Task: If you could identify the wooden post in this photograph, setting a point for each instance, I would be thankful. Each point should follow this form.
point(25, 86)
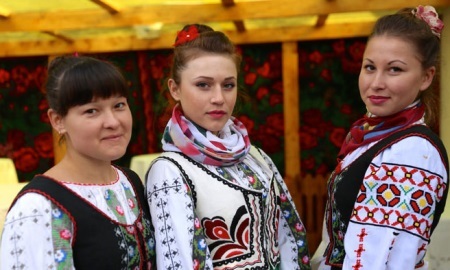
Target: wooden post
point(445, 91)
point(291, 112)
point(59, 149)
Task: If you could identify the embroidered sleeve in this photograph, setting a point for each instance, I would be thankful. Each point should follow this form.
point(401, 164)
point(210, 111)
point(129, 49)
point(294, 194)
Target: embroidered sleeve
point(291, 232)
point(391, 222)
point(36, 235)
point(180, 243)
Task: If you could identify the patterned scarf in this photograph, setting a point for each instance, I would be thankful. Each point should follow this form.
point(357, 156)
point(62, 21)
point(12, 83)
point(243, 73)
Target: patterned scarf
point(371, 128)
point(230, 146)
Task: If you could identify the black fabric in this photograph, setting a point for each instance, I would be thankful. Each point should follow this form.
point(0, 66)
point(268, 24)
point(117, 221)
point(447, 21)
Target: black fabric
point(96, 245)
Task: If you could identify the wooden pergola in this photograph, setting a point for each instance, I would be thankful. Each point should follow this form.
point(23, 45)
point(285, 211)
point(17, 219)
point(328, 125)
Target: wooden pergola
point(31, 28)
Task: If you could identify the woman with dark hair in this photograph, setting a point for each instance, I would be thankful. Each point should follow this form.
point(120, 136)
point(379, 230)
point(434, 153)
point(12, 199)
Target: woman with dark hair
point(389, 189)
point(217, 202)
point(84, 212)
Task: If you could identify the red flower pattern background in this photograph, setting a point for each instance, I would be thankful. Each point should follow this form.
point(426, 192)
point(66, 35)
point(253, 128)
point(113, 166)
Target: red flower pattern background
point(329, 103)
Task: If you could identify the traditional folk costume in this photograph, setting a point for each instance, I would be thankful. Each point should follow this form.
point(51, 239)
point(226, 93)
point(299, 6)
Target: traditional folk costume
point(386, 195)
point(216, 204)
point(60, 225)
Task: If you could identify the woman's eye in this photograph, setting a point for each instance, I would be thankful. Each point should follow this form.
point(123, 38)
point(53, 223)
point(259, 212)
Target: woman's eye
point(202, 85)
point(395, 69)
point(121, 105)
point(90, 111)
point(229, 86)
point(369, 67)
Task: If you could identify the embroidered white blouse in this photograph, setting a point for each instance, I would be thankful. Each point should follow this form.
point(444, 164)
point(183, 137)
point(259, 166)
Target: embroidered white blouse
point(388, 232)
point(29, 241)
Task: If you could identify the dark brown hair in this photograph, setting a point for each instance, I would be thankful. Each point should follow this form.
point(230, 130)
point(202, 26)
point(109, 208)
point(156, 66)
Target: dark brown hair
point(76, 80)
point(207, 41)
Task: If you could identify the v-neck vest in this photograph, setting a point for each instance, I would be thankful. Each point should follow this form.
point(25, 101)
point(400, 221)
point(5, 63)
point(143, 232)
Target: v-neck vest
point(99, 242)
point(240, 224)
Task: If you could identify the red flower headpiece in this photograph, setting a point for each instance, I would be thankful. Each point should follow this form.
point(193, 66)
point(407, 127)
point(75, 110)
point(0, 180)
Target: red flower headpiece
point(186, 35)
point(429, 15)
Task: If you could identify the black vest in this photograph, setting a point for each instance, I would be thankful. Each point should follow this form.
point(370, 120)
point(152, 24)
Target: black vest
point(348, 190)
point(99, 242)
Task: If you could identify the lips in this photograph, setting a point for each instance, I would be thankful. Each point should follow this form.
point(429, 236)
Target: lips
point(112, 137)
point(378, 99)
point(216, 114)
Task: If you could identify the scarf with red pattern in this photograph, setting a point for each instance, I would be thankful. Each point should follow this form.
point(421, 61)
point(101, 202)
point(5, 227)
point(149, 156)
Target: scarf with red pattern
point(230, 146)
point(372, 128)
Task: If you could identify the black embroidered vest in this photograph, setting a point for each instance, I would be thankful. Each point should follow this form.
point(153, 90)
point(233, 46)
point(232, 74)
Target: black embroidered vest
point(343, 188)
point(99, 242)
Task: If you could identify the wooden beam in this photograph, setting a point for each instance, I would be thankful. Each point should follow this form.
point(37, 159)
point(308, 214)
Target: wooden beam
point(59, 36)
point(227, 3)
point(4, 13)
point(321, 20)
point(80, 19)
point(108, 5)
point(127, 43)
point(100, 44)
point(240, 26)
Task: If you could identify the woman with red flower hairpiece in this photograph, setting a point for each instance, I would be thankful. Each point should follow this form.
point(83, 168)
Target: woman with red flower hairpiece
point(389, 189)
point(217, 202)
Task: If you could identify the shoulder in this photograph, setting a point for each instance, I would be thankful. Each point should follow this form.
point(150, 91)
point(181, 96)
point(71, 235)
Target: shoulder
point(31, 201)
point(415, 151)
point(167, 165)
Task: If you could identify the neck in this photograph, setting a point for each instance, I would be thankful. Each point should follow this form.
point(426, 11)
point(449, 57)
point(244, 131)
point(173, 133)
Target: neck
point(82, 172)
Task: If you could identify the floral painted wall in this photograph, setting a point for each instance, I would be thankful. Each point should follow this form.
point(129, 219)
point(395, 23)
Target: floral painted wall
point(25, 134)
point(329, 100)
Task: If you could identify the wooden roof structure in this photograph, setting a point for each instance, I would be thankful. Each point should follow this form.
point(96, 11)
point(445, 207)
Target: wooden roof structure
point(52, 27)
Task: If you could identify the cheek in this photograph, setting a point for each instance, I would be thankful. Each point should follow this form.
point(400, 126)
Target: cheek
point(128, 120)
point(362, 86)
point(362, 82)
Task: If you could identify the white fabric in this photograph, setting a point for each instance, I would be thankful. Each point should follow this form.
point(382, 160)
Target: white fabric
point(27, 233)
point(384, 246)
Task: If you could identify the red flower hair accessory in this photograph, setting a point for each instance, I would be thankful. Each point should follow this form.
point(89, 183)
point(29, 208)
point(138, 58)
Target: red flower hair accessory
point(186, 35)
point(429, 15)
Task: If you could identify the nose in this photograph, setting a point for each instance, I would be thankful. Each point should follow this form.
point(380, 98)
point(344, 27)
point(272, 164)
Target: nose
point(110, 119)
point(378, 81)
point(217, 95)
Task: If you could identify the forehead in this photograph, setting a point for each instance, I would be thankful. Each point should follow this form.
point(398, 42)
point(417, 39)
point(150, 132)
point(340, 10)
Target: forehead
point(211, 63)
point(388, 47)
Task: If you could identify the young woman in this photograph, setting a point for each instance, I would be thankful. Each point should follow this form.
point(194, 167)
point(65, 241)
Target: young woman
point(389, 188)
point(83, 213)
point(217, 202)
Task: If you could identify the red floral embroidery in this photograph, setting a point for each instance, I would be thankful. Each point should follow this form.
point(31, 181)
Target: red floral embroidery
point(186, 35)
point(119, 210)
point(130, 229)
point(196, 264)
point(131, 203)
point(65, 234)
point(228, 242)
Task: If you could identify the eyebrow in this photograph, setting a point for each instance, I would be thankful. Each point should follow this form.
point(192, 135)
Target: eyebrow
point(393, 61)
point(389, 63)
point(211, 78)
